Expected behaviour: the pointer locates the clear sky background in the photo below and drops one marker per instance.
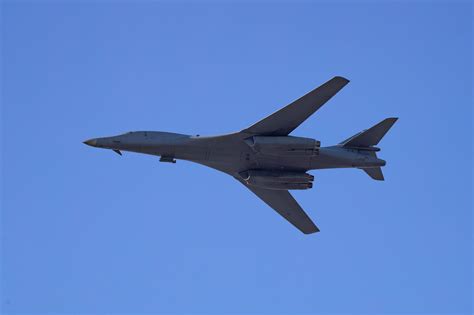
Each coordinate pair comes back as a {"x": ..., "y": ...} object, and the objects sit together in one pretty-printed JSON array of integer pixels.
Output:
[{"x": 87, "y": 231}]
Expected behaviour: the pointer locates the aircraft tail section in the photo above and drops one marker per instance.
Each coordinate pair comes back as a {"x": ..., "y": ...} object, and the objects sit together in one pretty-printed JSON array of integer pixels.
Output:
[
  {"x": 375, "y": 173},
  {"x": 365, "y": 142},
  {"x": 371, "y": 136}
]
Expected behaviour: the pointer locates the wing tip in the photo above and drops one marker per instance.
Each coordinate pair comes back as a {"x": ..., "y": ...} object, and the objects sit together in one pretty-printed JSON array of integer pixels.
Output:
[
  {"x": 341, "y": 79},
  {"x": 391, "y": 119},
  {"x": 310, "y": 230}
]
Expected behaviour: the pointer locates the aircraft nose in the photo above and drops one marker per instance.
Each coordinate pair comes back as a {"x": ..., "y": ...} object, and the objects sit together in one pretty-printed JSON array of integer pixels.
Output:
[{"x": 91, "y": 142}]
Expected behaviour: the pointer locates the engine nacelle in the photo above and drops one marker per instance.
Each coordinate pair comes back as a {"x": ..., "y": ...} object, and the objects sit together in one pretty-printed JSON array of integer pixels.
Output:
[
  {"x": 278, "y": 180},
  {"x": 287, "y": 146}
]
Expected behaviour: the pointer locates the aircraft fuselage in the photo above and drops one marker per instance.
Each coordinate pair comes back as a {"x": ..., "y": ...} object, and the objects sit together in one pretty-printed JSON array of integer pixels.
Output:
[{"x": 233, "y": 154}]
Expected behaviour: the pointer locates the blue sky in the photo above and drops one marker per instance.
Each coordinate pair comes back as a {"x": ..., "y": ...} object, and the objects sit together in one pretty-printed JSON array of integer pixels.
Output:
[{"x": 86, "y": 231}]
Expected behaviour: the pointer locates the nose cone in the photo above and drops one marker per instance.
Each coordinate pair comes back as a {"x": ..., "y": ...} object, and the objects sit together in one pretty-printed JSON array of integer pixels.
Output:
[{"x": 91, "y": 142}]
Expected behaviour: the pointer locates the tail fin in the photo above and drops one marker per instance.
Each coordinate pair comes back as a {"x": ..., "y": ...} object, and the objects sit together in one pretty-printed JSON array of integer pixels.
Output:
[
  {"x": 375, "y": 173},
  {"x": 371, "y": 136},
  {"x": 365, "y": 140}
]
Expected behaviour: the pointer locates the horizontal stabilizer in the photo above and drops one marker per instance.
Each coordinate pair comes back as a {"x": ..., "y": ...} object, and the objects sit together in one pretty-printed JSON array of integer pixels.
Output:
[
  {"x": 370, "y": 136},
  {"x": 375, "y": 173},
  {"x": 285, "y": 120}
]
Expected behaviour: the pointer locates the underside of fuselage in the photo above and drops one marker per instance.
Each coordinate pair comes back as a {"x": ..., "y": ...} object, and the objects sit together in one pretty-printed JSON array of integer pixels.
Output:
[{"x": 233, "y": 155}]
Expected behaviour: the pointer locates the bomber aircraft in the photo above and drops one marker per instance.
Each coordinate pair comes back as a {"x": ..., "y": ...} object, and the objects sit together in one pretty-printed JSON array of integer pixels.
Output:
[{"x": 264, "y": 157}]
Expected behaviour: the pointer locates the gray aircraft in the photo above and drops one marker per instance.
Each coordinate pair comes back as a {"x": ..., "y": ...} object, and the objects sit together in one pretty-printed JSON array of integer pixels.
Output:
[{"x": 264, "y": 157}]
